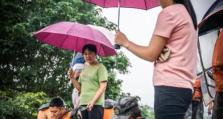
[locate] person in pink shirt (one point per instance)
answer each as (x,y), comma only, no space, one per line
(176,30)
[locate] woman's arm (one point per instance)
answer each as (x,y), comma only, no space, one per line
(100,91)
(150,52)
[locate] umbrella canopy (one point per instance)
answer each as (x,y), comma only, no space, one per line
(138,4)
(73,36)
(212,19)
(109,34)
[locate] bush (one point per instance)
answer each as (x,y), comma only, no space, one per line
(22,105)
(147,112)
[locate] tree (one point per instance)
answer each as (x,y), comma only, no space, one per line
(147,112)
(27,65)
(114,64)
(22,105)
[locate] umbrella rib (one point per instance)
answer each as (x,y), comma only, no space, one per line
(100,44)
(46,32)
(100,49)
(145,4)
(66,36)
(92,34)
(104,2)
(76,45)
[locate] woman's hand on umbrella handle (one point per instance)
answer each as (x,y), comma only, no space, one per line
(121,39)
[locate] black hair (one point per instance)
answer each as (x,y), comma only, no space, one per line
(190,9)
(90,47)
(56,102)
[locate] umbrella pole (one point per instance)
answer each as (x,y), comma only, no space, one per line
(70,82)
(73,58)
(118,14)
(116,46)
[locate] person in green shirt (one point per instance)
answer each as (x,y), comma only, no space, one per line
(92,84)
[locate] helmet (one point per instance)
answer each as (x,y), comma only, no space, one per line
(125,105)
(109,103)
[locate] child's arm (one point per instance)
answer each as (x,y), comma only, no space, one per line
(72,75)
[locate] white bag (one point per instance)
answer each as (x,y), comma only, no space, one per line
(75,98)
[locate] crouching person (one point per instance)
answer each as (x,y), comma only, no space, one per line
(54,110)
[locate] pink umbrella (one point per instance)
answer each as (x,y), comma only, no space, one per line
(73,36)
(109,34)
(138,4)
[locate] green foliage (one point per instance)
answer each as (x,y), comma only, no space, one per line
(118,63)
(113,64)
(21,105)
(147,112)
(30,101)
(27,65)
(113,88)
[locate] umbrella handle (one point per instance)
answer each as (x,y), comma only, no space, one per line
(116,46)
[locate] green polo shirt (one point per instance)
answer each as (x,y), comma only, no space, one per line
(90,79)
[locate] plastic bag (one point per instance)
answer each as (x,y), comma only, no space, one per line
(75,98)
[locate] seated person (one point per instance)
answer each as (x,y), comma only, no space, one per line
(54,110)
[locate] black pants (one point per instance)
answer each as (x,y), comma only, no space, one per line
(197,110)
(218,106)
(171,102)
(97,112)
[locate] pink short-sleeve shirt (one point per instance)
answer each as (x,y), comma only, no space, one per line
(175,24)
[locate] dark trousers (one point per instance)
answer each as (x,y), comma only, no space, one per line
(197,110)
(97,112)
(171,102)
(218,106)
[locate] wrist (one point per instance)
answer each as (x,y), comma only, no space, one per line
(93,101)
(73,78)
(126,45)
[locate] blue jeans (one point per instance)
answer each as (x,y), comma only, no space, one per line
(171,102)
